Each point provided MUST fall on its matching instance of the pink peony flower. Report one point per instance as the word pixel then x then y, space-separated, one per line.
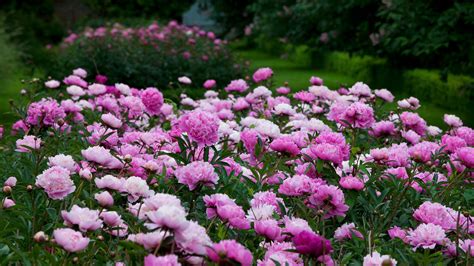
pixel 149 241
pixel 414 122
pixel 11 181
pixel 360 89
pixel 297 185
pixel 383 129
pixel 97 89
pixel 8 203
pixel 75 80
pixel 268 228
pixel 346 231
pixel 230 250
pixel 294 226
pixel 466 156
pixel 84 218
pixel 45 112
pixel 285 144
pixel 168 260
pixel 262 74
pixel 437 214
pixel 110 182
pixel 136 188
pixel 423 151
pixel 452 120
pixel 185 80
pixel 385 95
pixel 200 126
pixel 70 240
pixel 65 161
pixel 111 120
pixel 101 156
pixel 56 182
pixel 375 259
pixel 304 96
pixel 104 199
pixel 152 99
pixel 330 200
pixel 168 217
pixel 397 232
pixel 238 85
pixel 52 84
pixel 80 72
pixel 196 173
pixel 351 182
pixel 427 236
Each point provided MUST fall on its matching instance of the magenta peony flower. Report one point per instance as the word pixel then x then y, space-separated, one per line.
pixel 238 85
pixel 168 260
pixel 84 218
pixel 56 182
pixel 201 127
pixel 70 240
pixel 309 243
pixel 262 74
pixel 152 99
pixel 101 79
pixel 231 251
pixel 221 206
pixel 196 173
pixel 329 200
pixel 427 236
pixel 28 143
pixel 209 84
pixel 316 81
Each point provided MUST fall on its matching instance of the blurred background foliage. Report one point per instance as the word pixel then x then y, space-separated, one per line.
pixel 419 47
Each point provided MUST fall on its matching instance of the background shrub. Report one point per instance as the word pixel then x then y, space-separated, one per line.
pixel 148 56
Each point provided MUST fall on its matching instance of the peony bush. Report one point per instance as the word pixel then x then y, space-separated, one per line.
pixel 101 173
pixel 154 54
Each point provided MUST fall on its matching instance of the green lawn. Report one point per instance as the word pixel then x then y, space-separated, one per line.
pixel 9 89
pixel 298 78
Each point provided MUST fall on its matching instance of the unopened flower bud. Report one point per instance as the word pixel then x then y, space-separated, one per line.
pixel 40 237
pixel 7 189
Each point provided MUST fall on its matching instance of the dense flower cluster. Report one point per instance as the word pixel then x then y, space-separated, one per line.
pixel 242 176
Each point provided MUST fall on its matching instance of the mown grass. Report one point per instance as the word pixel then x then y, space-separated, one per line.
pixel 297 76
